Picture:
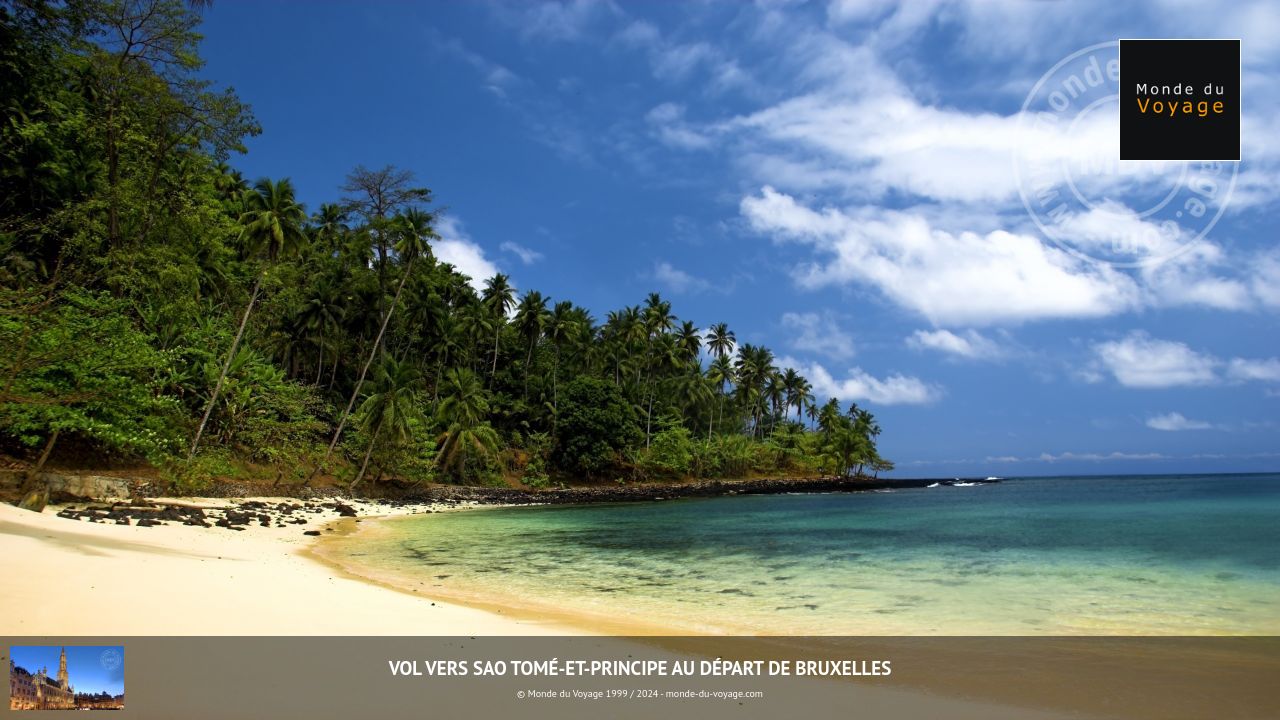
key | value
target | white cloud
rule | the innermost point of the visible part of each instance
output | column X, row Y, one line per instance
column 528, row 256
column 1049, row 457
column 1141, row 361
column 819, row 334
column 667, row 121
column 1265, row 280
column 560, row 20
column 949, row 278
column 677, row 280
column 859, row 386
column 456, row 248
column 970, row 344
column 1244, row 370
column 1174, row 421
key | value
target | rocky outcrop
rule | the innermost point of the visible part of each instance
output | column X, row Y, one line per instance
column 94, row 487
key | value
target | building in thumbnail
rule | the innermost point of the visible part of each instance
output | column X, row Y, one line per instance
column 38, row 691
column 99, row 701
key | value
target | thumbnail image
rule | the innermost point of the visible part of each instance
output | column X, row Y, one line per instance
column 88, row 677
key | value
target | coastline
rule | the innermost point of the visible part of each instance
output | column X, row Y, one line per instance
column 97, row 579
column 70, row 577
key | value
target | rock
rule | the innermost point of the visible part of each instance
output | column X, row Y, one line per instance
column 311, row 532
column 97, row 487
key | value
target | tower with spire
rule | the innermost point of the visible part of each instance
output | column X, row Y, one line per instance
column 63, row 681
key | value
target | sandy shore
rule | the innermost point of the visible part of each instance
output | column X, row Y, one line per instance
column 70, row 577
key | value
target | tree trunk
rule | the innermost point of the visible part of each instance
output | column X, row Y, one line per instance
column 528, row 359
column 35, row 494
column 320, row 361
column 355, row 392
column 368, row 453
column 226, row 366
column 493, row 371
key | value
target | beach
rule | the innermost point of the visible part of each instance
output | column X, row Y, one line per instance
column 67, row 577
column 77, row 578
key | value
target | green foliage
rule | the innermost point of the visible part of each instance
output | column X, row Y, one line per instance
column 594, row 427
column 80, row 366
column 151, row 298
column 671, row 453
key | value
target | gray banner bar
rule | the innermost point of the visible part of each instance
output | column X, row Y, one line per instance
column 877, row 677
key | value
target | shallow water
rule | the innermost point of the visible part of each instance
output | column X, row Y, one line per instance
column 1165, row 555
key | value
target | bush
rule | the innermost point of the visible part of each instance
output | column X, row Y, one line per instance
column 671, row 451
column 595, row 426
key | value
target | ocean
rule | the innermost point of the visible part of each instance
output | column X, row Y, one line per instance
column 1116, row 555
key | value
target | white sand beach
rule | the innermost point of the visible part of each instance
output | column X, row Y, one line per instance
column 69, row 577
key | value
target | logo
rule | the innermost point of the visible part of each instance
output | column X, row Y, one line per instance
column 1087, row 200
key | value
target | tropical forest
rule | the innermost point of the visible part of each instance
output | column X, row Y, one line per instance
column 160, row 310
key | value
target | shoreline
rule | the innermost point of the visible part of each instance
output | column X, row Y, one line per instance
column 74, row 577
column 99, row 579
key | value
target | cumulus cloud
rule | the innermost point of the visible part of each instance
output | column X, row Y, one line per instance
column 1245, row 370
column 1174, row 421
column 970, row 344
column 949, row 278
column 860, row 386
column 819, row 334
column 1141, row 361
column 455, row 247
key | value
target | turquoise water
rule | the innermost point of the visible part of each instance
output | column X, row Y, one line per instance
column 1167, row 555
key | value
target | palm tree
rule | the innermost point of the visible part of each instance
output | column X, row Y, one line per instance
column 321, row 316
column 271, row 227
column 561, row 327
column 720, row 373
column 720, row 340
column 531, row 318
column 330, row 228
column 499, row 297
column 690, row 342
column 413, row 230
column 775, row 393
column 463, row 410
column 392, row 407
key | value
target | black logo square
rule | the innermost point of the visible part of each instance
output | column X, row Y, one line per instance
column 1179, row 99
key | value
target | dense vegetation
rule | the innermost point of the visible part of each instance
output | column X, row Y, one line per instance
column 156, row 306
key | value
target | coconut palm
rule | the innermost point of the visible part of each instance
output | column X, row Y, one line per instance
column 720, row 340
column 562, row 326
column 463, row 408
column 531, row 318
column 413, row 229
column 391, row 408
column 499, row 297
column 720, row 373
column 271, row 228
column 690, row 342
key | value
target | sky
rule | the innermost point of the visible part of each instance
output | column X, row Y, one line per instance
column 844, row 182
column 87, row 669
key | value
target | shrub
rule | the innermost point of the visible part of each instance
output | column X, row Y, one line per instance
column 595, row 426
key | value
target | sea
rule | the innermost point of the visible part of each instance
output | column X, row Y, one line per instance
column 1087, row 555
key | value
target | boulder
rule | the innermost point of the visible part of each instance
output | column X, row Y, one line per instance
column 95, row 487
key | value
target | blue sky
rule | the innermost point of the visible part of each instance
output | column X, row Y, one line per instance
column 85, row 667
column 834, row 180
